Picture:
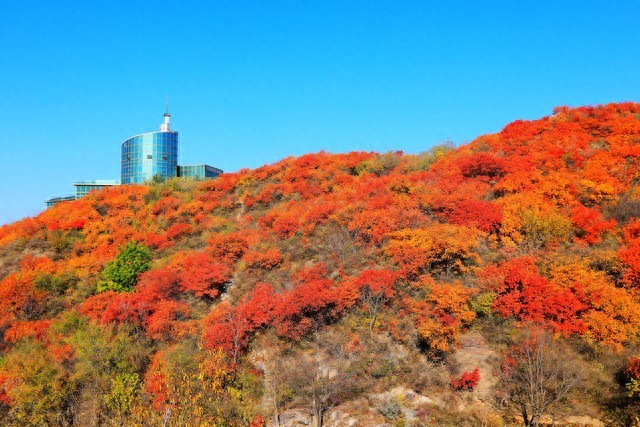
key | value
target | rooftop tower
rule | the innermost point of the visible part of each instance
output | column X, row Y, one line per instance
column 164, row 127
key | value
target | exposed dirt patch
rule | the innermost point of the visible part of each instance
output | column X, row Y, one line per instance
column 474, row 352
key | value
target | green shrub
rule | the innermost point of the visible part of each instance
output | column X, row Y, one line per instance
column 482, row 303
column 390, row 409
column 121, row 274
column 56, row 284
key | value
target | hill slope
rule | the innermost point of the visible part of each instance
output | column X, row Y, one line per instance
column 337, row 287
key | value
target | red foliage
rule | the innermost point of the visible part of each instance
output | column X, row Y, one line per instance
column 229, row 247
column 314, row 301
column 378, row 281
column 633, row 368
column 285, row 222
column 258, row 421
column 160, row 284
column 200, row 274
column 77, row 224
column 439, row 214
column 590, row 224
column 95, row 306
column 230, row 328
column 153, row 240
column 486, row 216
column 482, row 166
column 20, row 299
column 150, row 306
column 62, row 352
column 156, row 382
column 178, row 230
column 4, row 387
column 167, row 320
column 166, row 204
column 311, row 303
column 32, row 264
column 227, row 329
column 524, row 294
column 467, row 381
column 269, row 259
column 318, row 214
column 37, row 329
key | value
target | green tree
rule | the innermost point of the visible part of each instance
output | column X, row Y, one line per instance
column 121, row 274
column 108, row 364
column 124, row 390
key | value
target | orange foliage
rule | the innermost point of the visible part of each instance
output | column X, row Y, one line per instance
column 442, row 248
column 630, row 254
column 269, row 259
column 482, row 166
column 537, row 195
column 441, row 315
column 37, row 329
column 229, row 247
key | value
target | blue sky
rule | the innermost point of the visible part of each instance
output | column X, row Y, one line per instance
column 251, row 82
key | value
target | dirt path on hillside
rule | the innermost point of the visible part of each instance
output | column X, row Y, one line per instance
column 475, row 352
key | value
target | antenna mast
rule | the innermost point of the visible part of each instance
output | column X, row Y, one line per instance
column 164, row 127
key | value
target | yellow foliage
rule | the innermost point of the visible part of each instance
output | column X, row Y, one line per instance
column 440, row 248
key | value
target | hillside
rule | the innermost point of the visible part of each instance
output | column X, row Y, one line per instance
column 341, row 289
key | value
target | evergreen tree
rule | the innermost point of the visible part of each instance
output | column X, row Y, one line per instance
column 121, row 274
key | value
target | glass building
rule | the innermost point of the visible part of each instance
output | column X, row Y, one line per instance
column 149, row 155
column 55, row 200
column 144, row 157
column 198, row 171
column 84, row 187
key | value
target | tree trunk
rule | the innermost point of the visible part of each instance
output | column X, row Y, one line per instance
column 525, row 416
column 372, row 322
column 318, row 411
column 276, row 414
column 316, row 420
column 167, row 415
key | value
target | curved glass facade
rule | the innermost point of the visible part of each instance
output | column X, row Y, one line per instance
column 149, row 154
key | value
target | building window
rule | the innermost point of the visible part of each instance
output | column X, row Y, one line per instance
column 149, row 156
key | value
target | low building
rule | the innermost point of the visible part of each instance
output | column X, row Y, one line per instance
column 55, row 200
column 84, row 187
column 198, row 171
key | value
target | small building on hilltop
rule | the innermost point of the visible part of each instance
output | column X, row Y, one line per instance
column 145, row 157
column 84, row 187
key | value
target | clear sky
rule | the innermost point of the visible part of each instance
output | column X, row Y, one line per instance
column 251, row 82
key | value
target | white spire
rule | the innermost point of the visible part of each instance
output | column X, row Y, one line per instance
column 164, row 127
